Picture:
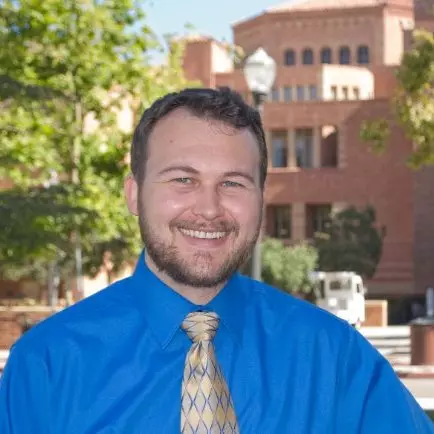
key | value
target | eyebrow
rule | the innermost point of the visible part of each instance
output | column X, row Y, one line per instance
column 191, row 170
column 180, row 168
column 240, row 174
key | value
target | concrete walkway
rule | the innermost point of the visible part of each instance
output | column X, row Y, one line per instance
column 393, row 342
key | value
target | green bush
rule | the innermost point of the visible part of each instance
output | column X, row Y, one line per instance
column 288, row 268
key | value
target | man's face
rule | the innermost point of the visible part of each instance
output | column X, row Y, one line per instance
column 200, row 203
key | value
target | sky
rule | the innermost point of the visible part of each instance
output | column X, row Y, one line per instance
column 209, row 17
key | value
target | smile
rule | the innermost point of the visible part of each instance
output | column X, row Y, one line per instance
column 203, row 234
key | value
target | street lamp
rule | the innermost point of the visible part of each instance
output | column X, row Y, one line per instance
column 259, row 72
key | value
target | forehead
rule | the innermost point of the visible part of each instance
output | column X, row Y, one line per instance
column 185, row 137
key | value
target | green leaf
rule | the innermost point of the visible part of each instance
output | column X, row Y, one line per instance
column 66, row 69
column 288, row 268
column 412, row 105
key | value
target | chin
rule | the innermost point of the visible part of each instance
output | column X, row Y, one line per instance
column 200, row 281
column 206, row 275
column 203, row 271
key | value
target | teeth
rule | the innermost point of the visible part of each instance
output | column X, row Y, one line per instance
column 203, row 234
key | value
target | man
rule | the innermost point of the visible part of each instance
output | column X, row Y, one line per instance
column 186, row 344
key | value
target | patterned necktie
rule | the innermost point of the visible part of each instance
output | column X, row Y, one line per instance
column 207, row 407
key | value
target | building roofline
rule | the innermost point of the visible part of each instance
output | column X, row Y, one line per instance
column 304, row 13
column 298, row 5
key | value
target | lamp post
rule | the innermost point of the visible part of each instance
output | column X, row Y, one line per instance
column 259, row 72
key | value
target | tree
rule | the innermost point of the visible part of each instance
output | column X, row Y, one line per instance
column 351, row 242
column 412, row 105
column 68, row 70
column 288, row 268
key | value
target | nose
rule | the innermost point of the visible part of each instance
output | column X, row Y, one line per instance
column 208, row 203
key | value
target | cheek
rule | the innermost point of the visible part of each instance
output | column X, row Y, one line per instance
column 245, row 211
column 163, row 205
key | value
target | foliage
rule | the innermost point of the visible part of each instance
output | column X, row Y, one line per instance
column 412, row 105
column 351, row 242
column 68, row 70
column 376, row 133
column 288, row 268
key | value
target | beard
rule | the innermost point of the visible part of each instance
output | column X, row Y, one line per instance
column 199, row 270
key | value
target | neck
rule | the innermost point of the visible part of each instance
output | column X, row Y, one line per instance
column 196, row 295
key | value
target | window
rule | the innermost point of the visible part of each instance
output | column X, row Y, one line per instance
column 300, row 93
column 363, row 55
column 344, row 55
column 312, row 93
column 317, row 218
column 326, row 55
column 329, row 146
column 275, row 97
column 356, row 93
column 307, row 56
column 279, row 149
column 289, row 57
column 345, row 92
column 287, row 94
column 337, row 285
column 334, row 92
column 304, row 147
column 280, row 225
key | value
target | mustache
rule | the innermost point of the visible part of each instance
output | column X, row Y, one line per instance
column 222, row 226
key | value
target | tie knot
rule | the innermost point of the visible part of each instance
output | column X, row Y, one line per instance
column 201, row 326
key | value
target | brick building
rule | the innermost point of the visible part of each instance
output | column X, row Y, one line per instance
column 335, row 68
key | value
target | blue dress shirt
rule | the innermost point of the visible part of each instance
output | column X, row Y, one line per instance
column 113, row 363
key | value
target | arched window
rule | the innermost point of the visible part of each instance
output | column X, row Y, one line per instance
column 326, row 55
column 289, row 57
column 363, row 55
column 307, row 56
column 344, row 55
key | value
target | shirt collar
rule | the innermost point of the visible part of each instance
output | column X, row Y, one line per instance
column 230, row 305
column 165, row 309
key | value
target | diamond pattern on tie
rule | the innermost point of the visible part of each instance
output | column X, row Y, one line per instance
column 206, row 405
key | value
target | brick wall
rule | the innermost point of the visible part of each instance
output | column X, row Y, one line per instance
column 11, row 320
column 363, row 178
column 393, row 34
column 385, row 182
column 197, row 61
column 385, row 81
column 314, row 29
column 424, row 228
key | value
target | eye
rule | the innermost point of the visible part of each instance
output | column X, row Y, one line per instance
column 232, row 184
column 183, row 180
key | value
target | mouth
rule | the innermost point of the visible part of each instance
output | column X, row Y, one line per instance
column 204, row 235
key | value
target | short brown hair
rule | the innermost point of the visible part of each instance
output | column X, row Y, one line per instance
column 223, row 104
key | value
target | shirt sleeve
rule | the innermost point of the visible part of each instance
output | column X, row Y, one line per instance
column 373, row 400
column 24, row 394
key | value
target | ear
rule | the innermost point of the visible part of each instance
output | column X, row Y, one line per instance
column 131, row 191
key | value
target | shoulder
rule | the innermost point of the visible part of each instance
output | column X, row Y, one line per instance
column 283, row 304
column 290, row 316
column 87, row 313
column 305, row 325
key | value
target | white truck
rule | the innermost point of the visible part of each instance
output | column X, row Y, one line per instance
column 341, row 293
